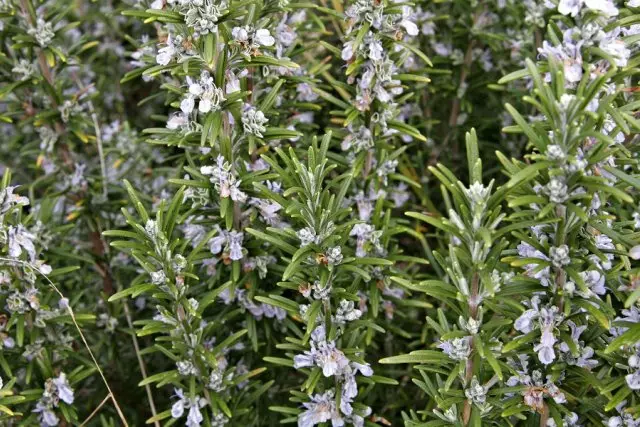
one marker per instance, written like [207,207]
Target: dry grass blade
[84,340]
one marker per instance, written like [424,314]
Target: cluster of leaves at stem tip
[252,212]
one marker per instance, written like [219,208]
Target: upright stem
[544,415]
[466,66]
[464,73]
[469,368]
[48,76]
[368,164]
[561,275]
[108,277]
[98,132]
[141,364]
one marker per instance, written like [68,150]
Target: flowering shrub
[359,212]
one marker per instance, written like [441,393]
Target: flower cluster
[55,390]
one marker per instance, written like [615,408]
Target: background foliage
[248,212]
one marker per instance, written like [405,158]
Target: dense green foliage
[359,212]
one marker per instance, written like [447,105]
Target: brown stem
[455,105]
[561,278]
[464,73]
[466,66]
[237,216]
[538,38]
[98,132]
[473,300]
[101,249]
[544,415]
[367,164]
[97,248]
[466,412]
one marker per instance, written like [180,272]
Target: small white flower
[307,236]
[477,193]
[64,390]
[555,152]
[347,312]
[186,368]
[195,89]
[407,21]
[194,416]
[233,83]
[347,51]
[235,245]
[633,380]
[187,104]
[8,200]
[254,121]
[240,34]
[634,253]
[362,139]
[20,239]
[476,392]
[615,422]
[321,408]
[364,233]
[546,355]
[568,53]
[166,54]
[560,256]
[47,417]
[617,49]
[525,323]
[334,255]
[457,348]
[570,7]
[363,369]
[376,51]
[263,37]
[158,277]
[202,15]
[557,190]
[224,178]
[216,380]
[177,121]
[595,281]
[177,410]
[332,361]
[605,6]
[43,32]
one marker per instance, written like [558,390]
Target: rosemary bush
[332,213]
